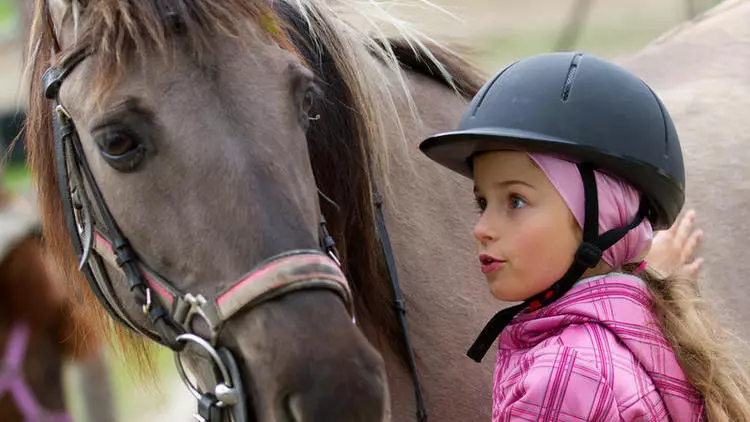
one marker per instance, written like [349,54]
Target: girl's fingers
[691,269]
[685,226]
[692,242]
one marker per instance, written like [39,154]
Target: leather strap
[398,301]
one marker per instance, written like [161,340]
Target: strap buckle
[588,255]
[191,306]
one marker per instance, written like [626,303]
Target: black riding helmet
[583,108]
[591,112]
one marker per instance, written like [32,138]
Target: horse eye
[120,149]
[117,143]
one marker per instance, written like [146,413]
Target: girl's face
[526,235]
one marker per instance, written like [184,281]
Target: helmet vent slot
[572,71]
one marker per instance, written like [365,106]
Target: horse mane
[459,73]
[346,136]
[357,109]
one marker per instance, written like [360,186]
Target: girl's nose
[483,230]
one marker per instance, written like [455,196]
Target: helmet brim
[456,151]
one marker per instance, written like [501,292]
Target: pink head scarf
[618,205]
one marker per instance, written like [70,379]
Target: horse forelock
[123,33]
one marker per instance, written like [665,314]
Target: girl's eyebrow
[505,184]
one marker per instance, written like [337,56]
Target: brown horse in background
[38,320]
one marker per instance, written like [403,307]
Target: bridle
[97,239]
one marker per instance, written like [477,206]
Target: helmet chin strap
[588,255]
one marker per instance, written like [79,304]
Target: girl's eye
[517,202]
[481,203]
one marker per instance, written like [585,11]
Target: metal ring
[189,337]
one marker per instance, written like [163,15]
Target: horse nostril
[293,408]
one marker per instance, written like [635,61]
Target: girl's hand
[672,250]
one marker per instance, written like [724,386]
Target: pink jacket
[596,354]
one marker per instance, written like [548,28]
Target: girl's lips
[490,263]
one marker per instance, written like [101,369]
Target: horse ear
[66,14]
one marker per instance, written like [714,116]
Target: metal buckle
[63,113]
[224,391]
[147,306]
[191,306]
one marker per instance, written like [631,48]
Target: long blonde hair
[706,350]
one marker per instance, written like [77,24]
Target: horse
[40,330]
[699,70]
[306,115]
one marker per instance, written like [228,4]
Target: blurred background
[495,32]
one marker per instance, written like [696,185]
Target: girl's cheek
[520,245]
[530,247]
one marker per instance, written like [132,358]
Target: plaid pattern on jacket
[596,354]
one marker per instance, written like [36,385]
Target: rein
[398,303]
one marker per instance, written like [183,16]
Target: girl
[575,162]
